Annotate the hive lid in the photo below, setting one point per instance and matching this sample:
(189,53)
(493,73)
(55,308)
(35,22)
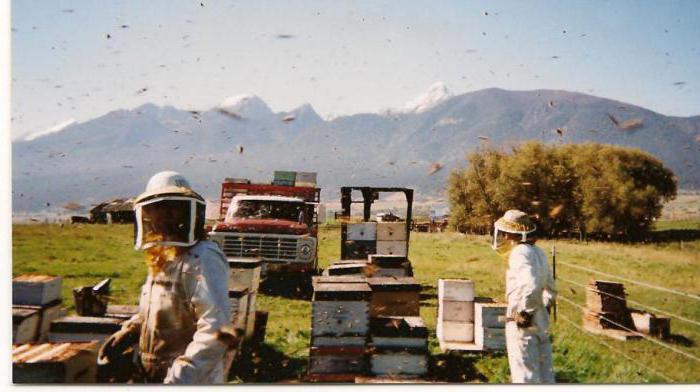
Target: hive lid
(49,352)
(341,291)
(28,278)
(83,324)
(388,261)
(340,279)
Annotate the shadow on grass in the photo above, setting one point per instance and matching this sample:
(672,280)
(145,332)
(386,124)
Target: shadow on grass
(268,365)
(292,286)
(674,235)
(454,368)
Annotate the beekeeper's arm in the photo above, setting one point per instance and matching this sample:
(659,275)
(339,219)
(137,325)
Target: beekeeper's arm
(210,301)
(522,295)
(127,335)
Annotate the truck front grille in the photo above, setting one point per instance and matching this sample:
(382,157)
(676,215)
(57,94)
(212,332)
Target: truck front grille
(270,248)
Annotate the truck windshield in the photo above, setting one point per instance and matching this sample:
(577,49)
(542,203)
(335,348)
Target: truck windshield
(268,209)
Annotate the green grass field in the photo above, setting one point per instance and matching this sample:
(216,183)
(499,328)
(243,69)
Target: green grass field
(84,254)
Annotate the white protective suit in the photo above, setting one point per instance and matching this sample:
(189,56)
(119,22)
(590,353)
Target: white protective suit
(529,287)
(182,311)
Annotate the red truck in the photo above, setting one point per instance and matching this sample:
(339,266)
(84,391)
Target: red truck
(273,221)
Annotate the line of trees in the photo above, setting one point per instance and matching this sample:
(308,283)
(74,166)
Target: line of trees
(596,190)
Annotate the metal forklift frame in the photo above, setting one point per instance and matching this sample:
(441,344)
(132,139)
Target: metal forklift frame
(369,195)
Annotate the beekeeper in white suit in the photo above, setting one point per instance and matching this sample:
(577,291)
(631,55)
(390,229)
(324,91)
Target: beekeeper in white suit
(530,292)
(183,325)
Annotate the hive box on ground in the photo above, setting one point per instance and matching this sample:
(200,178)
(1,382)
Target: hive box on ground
(25,324)
(490,338)
(337,360)
(244,272)
(395,361)
(391,231)
(455,290)
(394,296)
(489,315)
(649,324)
(54,363)
(366,231)
(46,314)
(462,311)
(83,328)
(340,309)
(398,248)
(36,289)
(398,332)
(455,331)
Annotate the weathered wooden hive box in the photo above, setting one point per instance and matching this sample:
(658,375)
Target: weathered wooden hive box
(648,324)
(238,306)
(306,179)
(123,312)
(83,329)
(357,268)
(36,290)
(31,323)
(392,238)
(360,249)
(245,272)
(390,265)
(394,296)
(606,307)
(399,346)
(455,321)
(361,240)
(54,363)
(342,360)
(489,324)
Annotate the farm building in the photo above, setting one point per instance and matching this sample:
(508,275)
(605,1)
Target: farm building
(115,211)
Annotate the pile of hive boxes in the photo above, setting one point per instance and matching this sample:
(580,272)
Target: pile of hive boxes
(606,313)
(244,282)
(366,326)
(36,309)
(383,238)
(466,322)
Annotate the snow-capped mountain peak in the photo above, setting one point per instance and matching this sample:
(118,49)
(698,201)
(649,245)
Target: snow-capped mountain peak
(436,94)
(248,105)
(56,128)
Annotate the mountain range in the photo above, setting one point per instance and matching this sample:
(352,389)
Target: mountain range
(417,146)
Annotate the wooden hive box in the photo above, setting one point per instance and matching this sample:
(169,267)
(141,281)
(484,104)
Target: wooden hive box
(397,248)
(649,324)
(83,328)
(346,269)
(455,331)
(398,332)
(36,290)
(455,290)
(250,316)
(305,179)
(337,360)
(238,307)
(390,265)
(489,315)
(25,324)
(490,338)
(339,279)
(123,312)
(365,231)
(391,231)
(339,341)
(606,297)
(340,309)
(54,363)
(245,272)
(461,311)
(394,296)
(47,314)
(395,361)
(360,249)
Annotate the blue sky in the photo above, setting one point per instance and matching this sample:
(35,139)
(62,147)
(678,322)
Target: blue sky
(343,57)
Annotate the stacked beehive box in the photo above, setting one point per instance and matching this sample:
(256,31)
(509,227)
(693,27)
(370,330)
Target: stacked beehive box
(392,238)
(361,240)
(390,265)
(398,346)
(455,321)
(36,302)
(54,363)
(339,328)
(649,324)
(606,306)
(243,281)
(394,296)
(489,324)
(83,328)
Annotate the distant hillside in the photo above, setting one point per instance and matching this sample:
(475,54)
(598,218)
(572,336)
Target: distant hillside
(115,154)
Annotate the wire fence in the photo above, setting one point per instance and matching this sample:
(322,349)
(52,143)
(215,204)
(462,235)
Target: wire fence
(622,353)
(646,306)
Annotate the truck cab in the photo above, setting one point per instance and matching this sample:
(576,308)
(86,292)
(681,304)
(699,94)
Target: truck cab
(276,223)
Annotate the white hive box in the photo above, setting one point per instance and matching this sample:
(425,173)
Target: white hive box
(396,248)
(391,231)
(455,331)
(36,289)
(455,290)
(83,329)
(366,231)
(490,338)
(25,325)
(340,309)
(462,311)
(306,179)
(489,315)
(244,272)
(46,314)
(54,363)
